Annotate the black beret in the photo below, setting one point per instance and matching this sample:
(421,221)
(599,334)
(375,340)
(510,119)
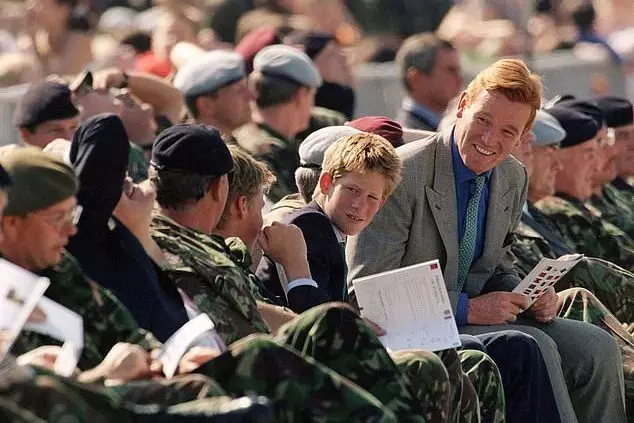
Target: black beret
(579,126)
(5,179)
(617,110)
(587,107)
(192,149)
(43,102)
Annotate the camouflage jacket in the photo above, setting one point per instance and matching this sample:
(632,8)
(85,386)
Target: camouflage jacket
(202,266)
(106,320)
(529,248)
(614,207)
(589,234)
(279,153)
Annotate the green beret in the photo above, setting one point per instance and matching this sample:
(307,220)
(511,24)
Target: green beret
(39,181)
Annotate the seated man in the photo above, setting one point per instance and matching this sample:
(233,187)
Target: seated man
(459,202)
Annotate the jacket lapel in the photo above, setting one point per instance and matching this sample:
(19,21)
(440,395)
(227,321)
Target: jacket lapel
(442,197)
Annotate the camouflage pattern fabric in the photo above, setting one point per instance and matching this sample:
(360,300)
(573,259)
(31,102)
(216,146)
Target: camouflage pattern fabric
(300,388)
(487,382)
(614,208)
(106,320)
(587,233)
(201,266)
(464,398)
(287,205)
(279,154)
(612,285)
(580,304)
(137,164)
(334,335)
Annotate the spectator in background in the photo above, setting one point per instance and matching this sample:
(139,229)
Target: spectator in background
(215,90)
(284,82)
(336,92)
(584,17)
(431,74)
(46,112)
(59,35)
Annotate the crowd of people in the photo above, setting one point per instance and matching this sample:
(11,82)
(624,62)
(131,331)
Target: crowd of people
(179,175)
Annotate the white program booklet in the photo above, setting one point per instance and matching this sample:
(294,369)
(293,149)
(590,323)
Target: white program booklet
(544,275)
(187,336)
(412,305)
(64,325)
(20,291)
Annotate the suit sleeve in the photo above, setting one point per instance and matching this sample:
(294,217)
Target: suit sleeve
(505,277)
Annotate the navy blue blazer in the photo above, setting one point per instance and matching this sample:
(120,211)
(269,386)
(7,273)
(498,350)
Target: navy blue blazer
(327,265)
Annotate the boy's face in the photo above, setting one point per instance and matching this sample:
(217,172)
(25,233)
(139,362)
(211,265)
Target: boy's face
(352,200)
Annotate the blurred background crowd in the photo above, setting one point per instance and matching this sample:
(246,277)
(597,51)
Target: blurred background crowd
(61,38)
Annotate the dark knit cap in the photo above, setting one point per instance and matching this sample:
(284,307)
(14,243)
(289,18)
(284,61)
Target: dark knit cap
(579,126)
(195,149)
(617,111)
(39,181)
(43,102)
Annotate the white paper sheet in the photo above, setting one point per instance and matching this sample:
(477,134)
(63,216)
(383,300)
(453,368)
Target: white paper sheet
(64,325)
(412,305)
(20,292)
(184,338)
(544,275)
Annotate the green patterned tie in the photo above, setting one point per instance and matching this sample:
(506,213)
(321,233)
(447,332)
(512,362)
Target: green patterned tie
(467,244)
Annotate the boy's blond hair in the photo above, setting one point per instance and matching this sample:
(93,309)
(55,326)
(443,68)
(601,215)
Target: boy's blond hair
(361,153)
(513,79)
(247,177)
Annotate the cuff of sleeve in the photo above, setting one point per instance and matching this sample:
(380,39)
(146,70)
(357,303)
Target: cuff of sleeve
(462,310)
(302,282)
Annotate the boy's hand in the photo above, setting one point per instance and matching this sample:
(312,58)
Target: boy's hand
(285,244)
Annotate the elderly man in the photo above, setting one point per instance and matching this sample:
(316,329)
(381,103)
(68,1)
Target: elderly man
(215,89)
(284,81)
(460,200)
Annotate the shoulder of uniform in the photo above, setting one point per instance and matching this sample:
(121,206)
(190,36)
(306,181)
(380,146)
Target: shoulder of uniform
(256,141)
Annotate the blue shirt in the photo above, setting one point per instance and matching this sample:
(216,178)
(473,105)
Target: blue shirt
(465,182)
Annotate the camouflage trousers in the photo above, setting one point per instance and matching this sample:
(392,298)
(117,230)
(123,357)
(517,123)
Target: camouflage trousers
(581,304)
(334,335)
(611,284)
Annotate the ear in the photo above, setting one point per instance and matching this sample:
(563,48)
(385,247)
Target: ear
(463,102)
(9,226)
(325,183)
(413,76)
(25,134)
(241,205)
(204,103)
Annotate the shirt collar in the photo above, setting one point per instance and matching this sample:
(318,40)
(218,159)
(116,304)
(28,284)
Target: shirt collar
(418,109)
(462,173)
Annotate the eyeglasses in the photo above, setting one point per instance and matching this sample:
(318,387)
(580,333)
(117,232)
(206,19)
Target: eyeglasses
(58,220)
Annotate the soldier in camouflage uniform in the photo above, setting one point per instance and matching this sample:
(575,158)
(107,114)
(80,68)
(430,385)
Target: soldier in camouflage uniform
(536,238)
(37,227)
(578,226)
(284,81)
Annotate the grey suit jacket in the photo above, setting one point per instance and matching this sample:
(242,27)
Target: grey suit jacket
(409,119)
(419,221)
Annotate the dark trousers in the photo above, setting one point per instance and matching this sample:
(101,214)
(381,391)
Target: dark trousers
(527,388)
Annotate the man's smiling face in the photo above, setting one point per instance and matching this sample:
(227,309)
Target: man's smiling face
(488,128)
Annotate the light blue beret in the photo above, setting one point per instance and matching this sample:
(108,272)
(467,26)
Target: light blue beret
(208,73)
(312,149)
(547,129)
(287,63)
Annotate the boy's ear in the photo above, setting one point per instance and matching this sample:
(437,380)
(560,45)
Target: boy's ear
(325,183)
(242,206)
